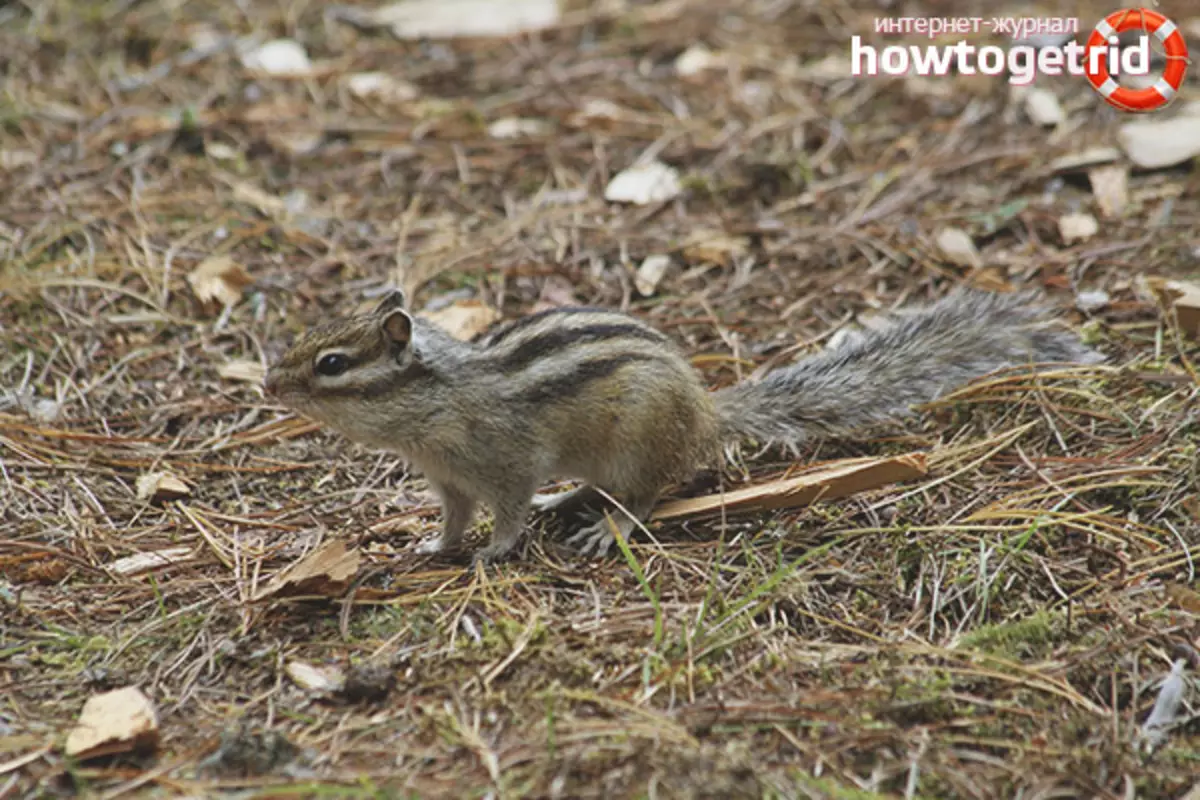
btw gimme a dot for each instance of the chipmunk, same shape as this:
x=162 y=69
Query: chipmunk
x=602 y=397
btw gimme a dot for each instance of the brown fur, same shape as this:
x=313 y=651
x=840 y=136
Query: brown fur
x=601 y=397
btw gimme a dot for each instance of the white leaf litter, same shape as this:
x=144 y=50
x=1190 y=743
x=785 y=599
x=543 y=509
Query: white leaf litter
x=1154 y=144
x=119 y=721
x=284 y=57
x=1043 y=108
x=160 y=487
x=463 y=320
x=1165 y=713
x=1110 y=186
x=244 y=370
x=380 y=86
x=447 y=19
x=220 y=151
x=650 y=273
x=315 y=679
x=1077 y=227
x=219 y=278
x=697 y=59
x=138 y=563
x=1092 y=300
x=516 y=127
x=644 y=183
x=959 y=248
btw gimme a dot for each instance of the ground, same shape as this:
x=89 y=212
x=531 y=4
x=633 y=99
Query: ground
x=998 y=628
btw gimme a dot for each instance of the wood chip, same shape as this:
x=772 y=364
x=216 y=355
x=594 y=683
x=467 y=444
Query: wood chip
x=463 y=320
x=320 y=680
x=219 y=279
x=120 y=721
x=1077 y=227
x=245 y=370
x=827 y=483
x=138 y=563
x=959 y=248
x=644 y=183
x=326 y=571
x=651 y=273
x=161 y=487
x=1110 y=185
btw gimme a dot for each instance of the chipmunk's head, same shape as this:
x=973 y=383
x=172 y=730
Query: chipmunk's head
x=338 y=371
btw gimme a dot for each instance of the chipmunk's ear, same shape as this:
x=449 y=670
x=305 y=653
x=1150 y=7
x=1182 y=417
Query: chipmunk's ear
x=391 y=301
x=397 y=327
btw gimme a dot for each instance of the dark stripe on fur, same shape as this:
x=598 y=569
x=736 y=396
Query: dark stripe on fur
x=380 y=386
x=558 y=339
x=570 y=384
x=502 y=333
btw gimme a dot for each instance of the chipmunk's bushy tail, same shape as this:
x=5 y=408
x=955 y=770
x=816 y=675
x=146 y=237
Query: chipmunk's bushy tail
x=880 y=374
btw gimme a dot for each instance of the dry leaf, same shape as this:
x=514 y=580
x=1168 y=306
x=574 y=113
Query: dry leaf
x=1183 y=597
x=120 y=721
x=1110 y=185
x=248 y=371
x=282 y=57
x=463 y=320
x=827 y=483
x=1184 y=299
x=161 y=487
x=650 y=273
x=1077 y=227
x=959 y=248
x=138 y=563
x=714 y=247
x=324 y=680
x=220 y=279
x=644 y=183
x=326 y=571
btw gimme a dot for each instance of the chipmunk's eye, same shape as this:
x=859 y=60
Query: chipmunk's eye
x=332 y=364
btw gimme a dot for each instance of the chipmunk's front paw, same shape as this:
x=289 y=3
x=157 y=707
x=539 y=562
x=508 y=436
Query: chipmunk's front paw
x=492 y=554
x=431 y=546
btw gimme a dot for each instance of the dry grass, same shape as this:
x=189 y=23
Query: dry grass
x=995 y=631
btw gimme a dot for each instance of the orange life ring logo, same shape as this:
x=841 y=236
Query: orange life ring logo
x=1096 y=63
